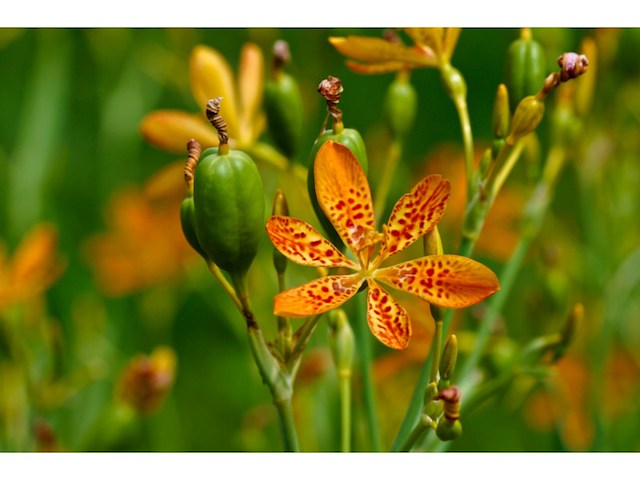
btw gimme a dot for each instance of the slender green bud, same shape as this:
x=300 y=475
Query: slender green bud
x=448 y=360
x=432 y=243
x=571 y=325
x=432 y=407
x=526 y=118
x=487 y=160
x=187 y=212
x=341 y=341
x=400 y=106
x=280 y=207
x=501 y=114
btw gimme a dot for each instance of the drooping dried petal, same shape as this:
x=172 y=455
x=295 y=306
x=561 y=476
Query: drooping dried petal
x=171 y=130
x=211 y=76
x=317 y=296
x=344 y=195
x=378 y=50
x=303 y=244
x=448 y=281
x=416 y=213
x=388 y=320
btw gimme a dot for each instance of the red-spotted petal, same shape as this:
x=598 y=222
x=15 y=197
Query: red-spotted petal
x=448 y=281
x=317 y=296
x=416 y=213
x=344 y=195
x=388 y=321
x=303 y=244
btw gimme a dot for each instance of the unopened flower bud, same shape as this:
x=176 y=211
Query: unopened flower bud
x=432 y=242
x=341 y=341
x=448 y=360
x=449 y=427
x=501 y=114
x=526 y=118
x=400 y=106
x=280 y=207
x=454 y=82
x=572 y=65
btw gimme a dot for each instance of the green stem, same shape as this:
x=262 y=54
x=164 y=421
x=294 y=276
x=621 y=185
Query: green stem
x=226 y=286
x=344 y=379
x=284 y=326
x=460 y=103
x=363 y=337
x=416 y=434
x=287 y=424
x=384 y=185
x=303 y=335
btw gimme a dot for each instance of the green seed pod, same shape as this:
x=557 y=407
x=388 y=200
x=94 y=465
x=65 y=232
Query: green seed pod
x=228 y=201
x=526 y=118
x=187 y=221
x=283 y=105
x=400 y=106
x=525 y=68
x=350 y=138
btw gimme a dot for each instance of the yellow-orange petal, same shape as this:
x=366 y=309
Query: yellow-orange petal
x=448 y=281
x=317 y=296
x=344 y=195
x=303 y=244
x=378 y=50
x=416 y=213
x=211 y=76
x=250 y=83
x=171 y=130
x=374 y=68
x=388 y=320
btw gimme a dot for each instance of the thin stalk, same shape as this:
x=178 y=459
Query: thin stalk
x=415 y=435
x=303 y=335
x=382 y=191
x=284 y=326
x=287 y=424
x=344 y=379
x=460 y=103
x=224 y=283
x=366 y=360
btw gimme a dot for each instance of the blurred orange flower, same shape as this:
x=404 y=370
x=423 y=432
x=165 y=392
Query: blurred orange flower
x=432 y=48
x=211 y=76
x=35 y=266
x=144 y=244
x=449 y=281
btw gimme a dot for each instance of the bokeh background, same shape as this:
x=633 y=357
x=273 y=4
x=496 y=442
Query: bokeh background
x=98 y=288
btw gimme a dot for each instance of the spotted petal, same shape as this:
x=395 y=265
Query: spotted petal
x=448 y=281
x=303 y=244
x=344 y=195
x=317 y=296
x=388 y=321
x=416 y=213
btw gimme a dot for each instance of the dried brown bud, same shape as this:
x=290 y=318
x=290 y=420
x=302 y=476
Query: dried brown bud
x=331 y=89
x=281 y=54
x=573 y=65
x=213 y=115
x=451 y=398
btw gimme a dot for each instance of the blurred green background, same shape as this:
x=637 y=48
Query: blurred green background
x=123 y=281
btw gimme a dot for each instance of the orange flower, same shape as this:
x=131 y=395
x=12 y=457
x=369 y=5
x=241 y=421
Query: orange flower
x=34 y=267
x=432 y=48
x=211 y=76
x=144 y=244
x=449 y=281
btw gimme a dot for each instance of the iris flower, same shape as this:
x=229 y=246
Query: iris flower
x=448 y=281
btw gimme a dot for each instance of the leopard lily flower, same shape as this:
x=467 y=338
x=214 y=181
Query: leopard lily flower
x=448 y=281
